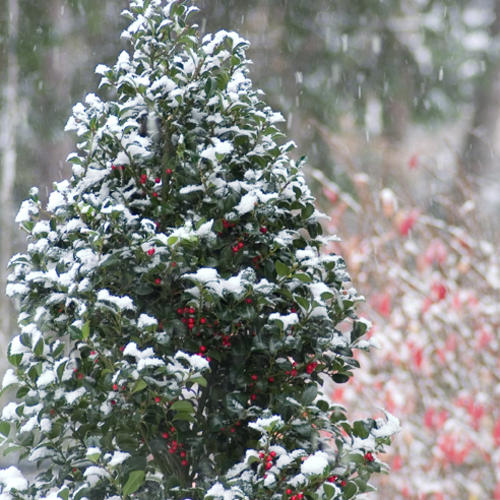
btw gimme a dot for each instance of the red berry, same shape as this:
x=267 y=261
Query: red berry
x=155 y=195
x=113 y=402
x=203 y=321
x=294 y=373
x=184 y=463
x=271 y=379
x=157 y=180
x=273 y=454
x=253 y=397
x=369 y=457
x=332 y=479
x=143 y=179
x=293 y=497
x=263 y=230
x=268 y=465
x=164 y=435
x=248 y=301
x=158 y=281
x=182 y=454
x=235 y=249
x=151 y=252
x=157 y=399
x=203 y=348
x=254 y=377
x=115 y=387
x=261 y=455
x=113 y=167
x=191 y=310
x=168 y=171
x=288 y=491
x=241 y=244
x=300 y=496
x=180 y=310
x=174 y=264
x=342 y=483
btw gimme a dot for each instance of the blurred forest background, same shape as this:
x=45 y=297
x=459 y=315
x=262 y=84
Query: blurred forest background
x=396 y=104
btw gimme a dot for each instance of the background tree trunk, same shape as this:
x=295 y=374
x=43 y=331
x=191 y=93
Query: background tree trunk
x=478 y=153
x=9 y=118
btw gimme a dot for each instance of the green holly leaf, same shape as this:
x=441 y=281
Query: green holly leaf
x=134 y=482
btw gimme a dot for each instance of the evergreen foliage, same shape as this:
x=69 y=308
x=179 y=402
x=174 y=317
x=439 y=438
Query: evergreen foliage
x=177 y=317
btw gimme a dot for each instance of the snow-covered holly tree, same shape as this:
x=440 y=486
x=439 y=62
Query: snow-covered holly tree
x=177 y=319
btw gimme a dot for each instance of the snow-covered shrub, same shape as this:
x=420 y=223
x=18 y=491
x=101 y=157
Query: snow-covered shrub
x=433 y=288
x=177 y=317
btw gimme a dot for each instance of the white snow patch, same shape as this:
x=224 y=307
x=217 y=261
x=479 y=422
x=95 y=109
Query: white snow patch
x=315 y=464
x=46 y=378
x=94 y=474
x=12 y=478
x=121 y=302
x=9 y=378
x=56 y=200
x=265 y=424
x=146 y=321
x=118 y=458
x=72 y=396
x=219 y=148
x=199 y=363
x=287 y=320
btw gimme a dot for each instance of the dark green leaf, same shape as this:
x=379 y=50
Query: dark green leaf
x=140 y=385
x=134 y=482
x=86 y=330
x=5 y=428
x=183 y=406
x=340 y=378
x=281 y=269
x=309 y=394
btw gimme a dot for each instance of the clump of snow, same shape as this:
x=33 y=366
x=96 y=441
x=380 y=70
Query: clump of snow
x=234 y=285
x=56 y=200
x=191 y=189
x=247 y=203
x=267 y=424
x=121 y=302
x=219 y=148
x=287 y=319
x=118 y=458
x=26 y=211
x=315 y=464
x=132 y=350
x=46 y=378
x=9 y=378
x=388 y=428
x=93 y=474
x=146 y=321
x=72 y=396
x=199 y=363
x=12 y=479
x=9 y=411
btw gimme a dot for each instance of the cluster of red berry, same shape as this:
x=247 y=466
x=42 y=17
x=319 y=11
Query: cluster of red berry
x=237 y=246
x=175 y=447
x=267 y=459
x=311 y=367
x=294 y=496
x=188 y=316
x=334 y=479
